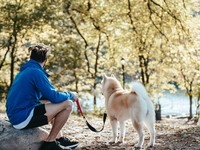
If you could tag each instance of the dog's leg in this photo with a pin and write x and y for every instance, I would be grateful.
(139, 128)
(122, 132)
(152, 132)
(114, 125)
(150, 124)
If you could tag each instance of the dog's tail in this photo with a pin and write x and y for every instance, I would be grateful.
(143, 97)
(140, 90)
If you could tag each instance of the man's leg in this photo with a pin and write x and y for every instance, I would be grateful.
(59, 113)
(60, 134)
(52, 121)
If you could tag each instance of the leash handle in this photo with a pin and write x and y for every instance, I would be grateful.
(95, 130)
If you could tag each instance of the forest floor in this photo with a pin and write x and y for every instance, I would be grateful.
(172, 134)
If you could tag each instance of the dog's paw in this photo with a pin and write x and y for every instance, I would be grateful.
(122, 143)
(138, 148)
(111, 142)
(116, 143)
(150, 147)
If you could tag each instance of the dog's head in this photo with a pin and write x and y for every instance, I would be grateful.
(109, 84)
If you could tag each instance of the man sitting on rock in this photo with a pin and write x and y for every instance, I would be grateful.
(23, 105)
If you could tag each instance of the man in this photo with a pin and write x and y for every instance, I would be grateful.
(23, 105)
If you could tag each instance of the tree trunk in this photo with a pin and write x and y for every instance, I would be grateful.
(12, 65)
(144, 69)
(96, 69)
(190, 97)
(198, 108)
(95, 98)
(95, 102)
(76, 81)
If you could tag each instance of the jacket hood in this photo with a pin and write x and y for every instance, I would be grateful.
(32, 64)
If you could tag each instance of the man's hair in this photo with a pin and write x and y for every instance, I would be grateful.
(39, 52)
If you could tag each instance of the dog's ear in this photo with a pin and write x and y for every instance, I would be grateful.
(112, 75)
(104, 79)
(105, 76)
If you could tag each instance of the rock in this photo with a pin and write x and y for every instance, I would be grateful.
(13, 139)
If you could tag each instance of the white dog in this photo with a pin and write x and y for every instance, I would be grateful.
(122, 105)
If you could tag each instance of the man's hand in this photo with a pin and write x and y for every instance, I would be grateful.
(75, 96)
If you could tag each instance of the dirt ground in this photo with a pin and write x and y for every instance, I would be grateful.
(172, 134)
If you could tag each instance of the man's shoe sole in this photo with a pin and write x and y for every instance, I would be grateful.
(69, 147)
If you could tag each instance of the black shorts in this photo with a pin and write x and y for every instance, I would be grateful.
(39, 118)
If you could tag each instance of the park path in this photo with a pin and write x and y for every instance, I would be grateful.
(172, 134)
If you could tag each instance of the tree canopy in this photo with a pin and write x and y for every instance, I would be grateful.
(157, 38)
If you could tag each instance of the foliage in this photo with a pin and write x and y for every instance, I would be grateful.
(157, 38)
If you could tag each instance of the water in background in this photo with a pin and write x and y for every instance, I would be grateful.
(171, 104)
(176, 104)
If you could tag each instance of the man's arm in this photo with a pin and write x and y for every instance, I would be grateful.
(48, 90)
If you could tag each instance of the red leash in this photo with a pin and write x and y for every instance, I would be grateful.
(87, 123)
(79, 106)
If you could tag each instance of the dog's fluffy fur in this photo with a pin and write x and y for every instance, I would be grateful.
(122, 105)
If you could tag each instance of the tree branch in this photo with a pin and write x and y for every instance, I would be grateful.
(150, 17)
(168, 12)
(130, 16)
(78, 31)
(97, 56)
(4, 57)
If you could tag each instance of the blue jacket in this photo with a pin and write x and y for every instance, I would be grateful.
(30, 85)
